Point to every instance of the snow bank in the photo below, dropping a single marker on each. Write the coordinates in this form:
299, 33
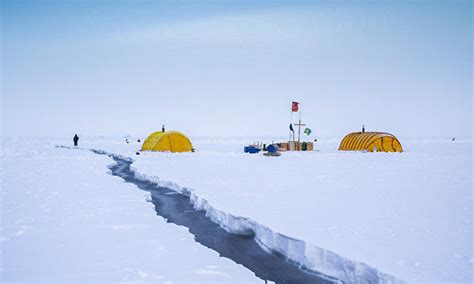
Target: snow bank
309, 257
407, 214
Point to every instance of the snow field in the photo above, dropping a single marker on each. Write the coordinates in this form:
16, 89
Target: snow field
65, 219
349, 215
408, 215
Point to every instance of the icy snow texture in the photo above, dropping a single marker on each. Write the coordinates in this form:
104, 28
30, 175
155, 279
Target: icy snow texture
304, 254
65, 220
408, 214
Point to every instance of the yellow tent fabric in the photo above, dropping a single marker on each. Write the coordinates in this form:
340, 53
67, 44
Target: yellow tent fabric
170, 141
371, 141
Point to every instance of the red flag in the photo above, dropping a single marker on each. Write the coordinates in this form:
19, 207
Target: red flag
294, 106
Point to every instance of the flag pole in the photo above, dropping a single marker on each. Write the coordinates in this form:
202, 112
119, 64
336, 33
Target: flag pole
291, 120
299, 129
292, 130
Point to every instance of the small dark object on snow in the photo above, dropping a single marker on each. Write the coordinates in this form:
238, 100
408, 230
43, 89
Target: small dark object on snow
138, 141
272, 148
75, 139
251, 149
138, 153
454, 139
163, 128
272, 154
304, 146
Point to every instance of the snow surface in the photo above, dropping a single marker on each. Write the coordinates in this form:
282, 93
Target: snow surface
65, 219
407, 214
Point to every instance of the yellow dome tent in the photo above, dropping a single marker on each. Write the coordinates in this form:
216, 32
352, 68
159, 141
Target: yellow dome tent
170, 141
371, 141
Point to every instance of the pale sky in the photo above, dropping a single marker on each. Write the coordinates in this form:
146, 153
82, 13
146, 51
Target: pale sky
233, 67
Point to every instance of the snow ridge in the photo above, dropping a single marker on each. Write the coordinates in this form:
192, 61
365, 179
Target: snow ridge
307, 256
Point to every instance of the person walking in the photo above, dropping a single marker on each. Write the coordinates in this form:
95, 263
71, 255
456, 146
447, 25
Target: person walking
163, 128
75, 139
